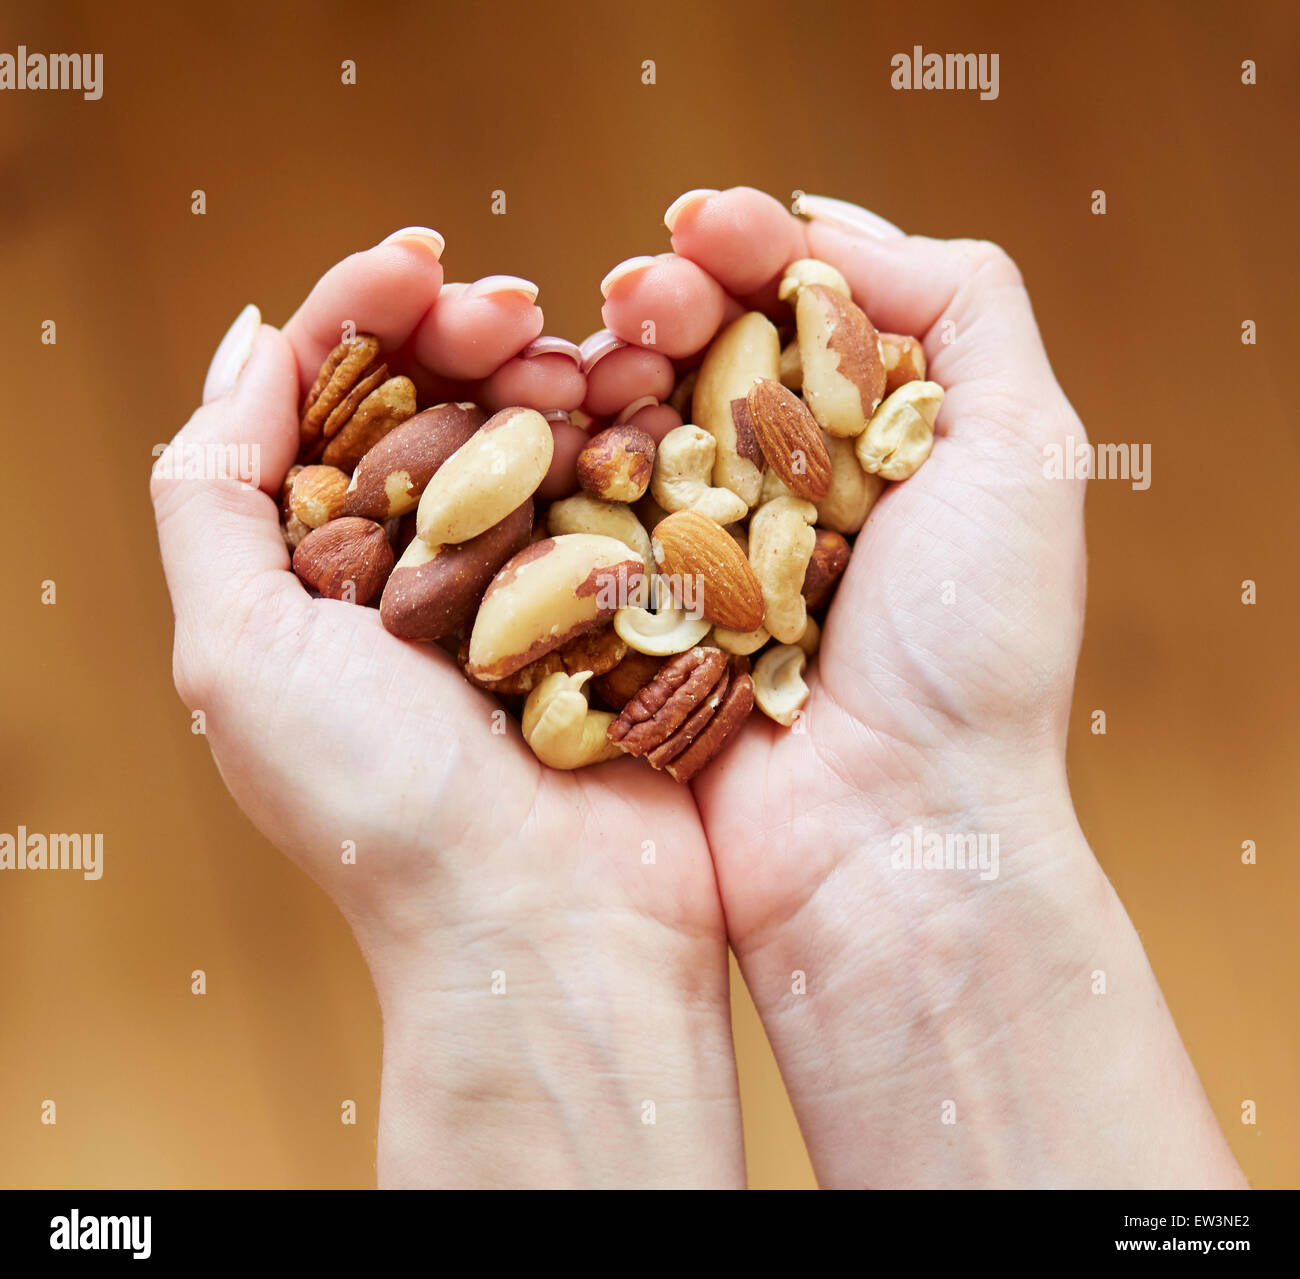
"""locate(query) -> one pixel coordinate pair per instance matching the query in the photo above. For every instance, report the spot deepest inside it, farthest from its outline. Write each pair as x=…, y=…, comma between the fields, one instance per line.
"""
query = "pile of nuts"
x=676, y=582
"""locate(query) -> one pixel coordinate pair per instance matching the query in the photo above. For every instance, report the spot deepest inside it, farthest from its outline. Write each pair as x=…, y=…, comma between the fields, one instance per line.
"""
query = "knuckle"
x=993, y=263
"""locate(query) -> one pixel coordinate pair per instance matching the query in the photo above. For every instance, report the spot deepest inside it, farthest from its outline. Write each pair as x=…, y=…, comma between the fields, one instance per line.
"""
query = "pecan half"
x=664, y=705
x=684, y=716
x=352, y=405
x=347, y=368
x=729, y=716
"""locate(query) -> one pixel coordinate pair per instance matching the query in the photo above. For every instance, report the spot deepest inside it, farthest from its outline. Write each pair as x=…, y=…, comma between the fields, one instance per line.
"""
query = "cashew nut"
x=781, y=542
x=561, y=729
x=810, y=640
x=583, y=513
x=680, y=482
x=741, y=643
x=779, y=689
x=853, y=492
x=746, y=349
x=901, y=431
x=670, y=630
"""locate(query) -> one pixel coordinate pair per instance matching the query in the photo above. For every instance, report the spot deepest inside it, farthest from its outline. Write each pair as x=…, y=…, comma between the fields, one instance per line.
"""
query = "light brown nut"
x=546, y=595
x=617, y=463
x=791, y=366
x=670, y=630
x=347, y=367
x=387, y=406
x=286, y=489
x=707, y=570
x=830, y=557
x=805, y=271
x=294, y=532
x=680, y=399
x=790, y=438
x=810, y=640
x=853, y=492
x=316, y=496
x=679, y=688
x=347, y=559
x=491, y=474
x=781, y=541
x=598, y=651
x=390, y=478
x=731, y=713
x=901, y=432
x=779, y=688
x=434, y=591
x=617, y=687
x=740, y=643
x=843, y=368
x=561, y=729
x=683, y=470
x=904, y=360
x=746, y=349
x=583, y=513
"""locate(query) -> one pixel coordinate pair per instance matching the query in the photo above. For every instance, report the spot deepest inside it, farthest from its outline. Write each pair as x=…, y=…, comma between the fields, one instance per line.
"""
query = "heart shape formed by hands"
x=652, y=521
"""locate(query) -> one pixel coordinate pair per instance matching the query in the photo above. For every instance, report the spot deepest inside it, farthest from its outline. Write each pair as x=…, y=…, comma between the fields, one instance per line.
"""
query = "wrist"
x=557, y=1050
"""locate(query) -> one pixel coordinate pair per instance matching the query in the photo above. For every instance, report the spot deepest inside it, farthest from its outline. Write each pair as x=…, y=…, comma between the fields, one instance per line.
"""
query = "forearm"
x=1008, y=1033
x=541, y=1054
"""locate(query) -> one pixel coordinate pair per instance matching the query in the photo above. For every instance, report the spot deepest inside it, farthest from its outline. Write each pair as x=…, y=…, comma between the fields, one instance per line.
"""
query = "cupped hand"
x=476, y=880
x=935, y=1026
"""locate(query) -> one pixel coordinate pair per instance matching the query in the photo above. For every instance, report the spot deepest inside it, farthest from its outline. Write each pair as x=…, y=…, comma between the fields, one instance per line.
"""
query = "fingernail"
x=552, y=346
x=690, y=200
x=232, y=354
x=624, y=271
x=425, y=236
x=597, y=346
x=493, y=285
x=845, y=216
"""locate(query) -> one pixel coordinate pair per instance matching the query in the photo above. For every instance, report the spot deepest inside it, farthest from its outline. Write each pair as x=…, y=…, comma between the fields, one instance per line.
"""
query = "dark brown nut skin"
x=619, y=686
x=416, y=449
x=721, y=728
x=669, y=700
x=341, y=552
x=830, y=557
x=431, y=600
x=616, y=464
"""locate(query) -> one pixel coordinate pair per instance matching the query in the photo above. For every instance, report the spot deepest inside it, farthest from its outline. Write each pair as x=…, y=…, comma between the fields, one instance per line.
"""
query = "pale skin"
x=602, y=902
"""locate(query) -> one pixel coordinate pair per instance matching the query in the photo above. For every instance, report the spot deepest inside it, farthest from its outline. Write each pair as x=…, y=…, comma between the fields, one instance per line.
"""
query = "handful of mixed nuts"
x=625, y=613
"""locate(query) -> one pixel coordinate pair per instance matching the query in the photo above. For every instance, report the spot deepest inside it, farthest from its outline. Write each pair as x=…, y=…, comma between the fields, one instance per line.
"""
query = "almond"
x=790, y=438
x=316, y=494
x=708, y=569
x=347, y=559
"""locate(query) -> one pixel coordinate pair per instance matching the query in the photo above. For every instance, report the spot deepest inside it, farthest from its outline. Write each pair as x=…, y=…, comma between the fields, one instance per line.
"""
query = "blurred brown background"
x=1141, y=309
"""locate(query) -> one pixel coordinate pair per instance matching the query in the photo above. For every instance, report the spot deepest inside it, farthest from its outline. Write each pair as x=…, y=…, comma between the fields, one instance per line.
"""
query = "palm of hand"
x=387, y=748
x=950, y=644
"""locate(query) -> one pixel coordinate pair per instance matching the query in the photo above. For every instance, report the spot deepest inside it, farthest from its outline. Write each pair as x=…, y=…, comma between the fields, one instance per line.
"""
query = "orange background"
x=1141, y=310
